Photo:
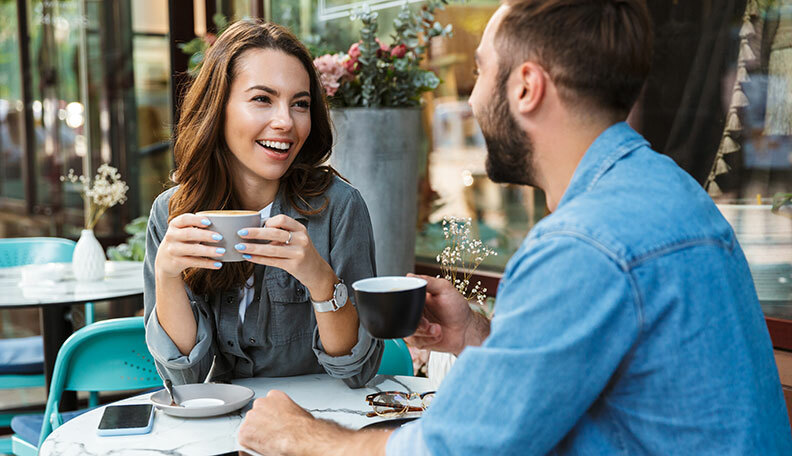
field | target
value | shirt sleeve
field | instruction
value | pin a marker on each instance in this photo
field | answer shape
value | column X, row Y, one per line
column 566, row 316
column 352, row 259
column 169, row 360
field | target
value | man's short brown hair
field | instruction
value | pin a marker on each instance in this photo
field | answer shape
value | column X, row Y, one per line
column 596, row 51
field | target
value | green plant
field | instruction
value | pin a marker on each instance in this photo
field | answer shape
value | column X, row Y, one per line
column 374, row 74
column 196, row 47
column 134, row 249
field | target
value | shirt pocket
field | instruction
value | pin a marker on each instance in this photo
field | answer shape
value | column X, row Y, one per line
column 291, row 313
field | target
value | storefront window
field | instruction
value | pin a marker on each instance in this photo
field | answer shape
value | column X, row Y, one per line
column 151, row 60
column 11, row 121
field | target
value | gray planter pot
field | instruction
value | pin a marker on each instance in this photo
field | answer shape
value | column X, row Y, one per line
column 377, row 150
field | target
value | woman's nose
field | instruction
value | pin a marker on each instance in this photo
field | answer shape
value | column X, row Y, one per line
column 282, row 118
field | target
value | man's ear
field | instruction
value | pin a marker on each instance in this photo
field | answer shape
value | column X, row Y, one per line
column 530, row 89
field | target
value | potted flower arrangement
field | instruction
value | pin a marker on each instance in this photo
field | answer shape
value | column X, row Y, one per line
column 375, row 91
column 100, row 194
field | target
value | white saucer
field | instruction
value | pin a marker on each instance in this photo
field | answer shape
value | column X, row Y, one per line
column 203, row 399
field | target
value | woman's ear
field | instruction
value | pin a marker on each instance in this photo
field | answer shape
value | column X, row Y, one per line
column 531, row 83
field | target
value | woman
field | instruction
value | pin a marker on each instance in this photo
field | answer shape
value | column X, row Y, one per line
column 253, row 134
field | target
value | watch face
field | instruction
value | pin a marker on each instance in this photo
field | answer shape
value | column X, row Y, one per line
column 340, row 294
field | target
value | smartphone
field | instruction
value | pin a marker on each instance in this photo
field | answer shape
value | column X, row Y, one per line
column 126, row 419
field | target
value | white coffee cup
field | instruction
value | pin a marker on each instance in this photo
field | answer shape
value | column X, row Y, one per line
column 228, row 223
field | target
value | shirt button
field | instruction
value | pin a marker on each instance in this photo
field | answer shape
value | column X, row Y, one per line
column 230, row 343
column 300, row 292
column 230, row 299
column 252, row 340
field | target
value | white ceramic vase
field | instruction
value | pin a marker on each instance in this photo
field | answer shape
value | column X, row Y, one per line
column 88, row 261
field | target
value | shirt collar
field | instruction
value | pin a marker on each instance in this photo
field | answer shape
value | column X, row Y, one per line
column 611, row 145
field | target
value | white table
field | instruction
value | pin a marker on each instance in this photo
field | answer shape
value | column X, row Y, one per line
column 322, row 395
column 122, row 279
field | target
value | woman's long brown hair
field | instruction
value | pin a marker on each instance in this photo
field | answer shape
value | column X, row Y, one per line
column 203, row 160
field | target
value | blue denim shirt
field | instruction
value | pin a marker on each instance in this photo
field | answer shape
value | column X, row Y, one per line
column 626, row 323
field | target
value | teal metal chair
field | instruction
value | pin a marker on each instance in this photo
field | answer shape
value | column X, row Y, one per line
column 22, row 359
column 109, row 355
column 396, row 359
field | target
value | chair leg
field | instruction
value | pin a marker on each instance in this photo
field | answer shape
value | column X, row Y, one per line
column 89, row 313
column 5, row 445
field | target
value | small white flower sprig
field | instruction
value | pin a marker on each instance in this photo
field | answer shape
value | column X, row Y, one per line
column 105, row 191
column 460, row 258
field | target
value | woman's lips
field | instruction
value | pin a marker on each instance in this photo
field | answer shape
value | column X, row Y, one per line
column 275, row 154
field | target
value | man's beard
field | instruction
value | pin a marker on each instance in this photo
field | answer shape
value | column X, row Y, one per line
column 509, row 149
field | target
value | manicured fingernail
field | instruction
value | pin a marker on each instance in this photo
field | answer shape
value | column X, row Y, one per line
column 240, row 246
column 246, row 256
column 220, row 250
column 217, row 237
column 218, row 264
column 242, row 232
column 206, row 222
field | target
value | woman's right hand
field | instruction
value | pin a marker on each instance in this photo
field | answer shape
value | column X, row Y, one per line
column 182, row 247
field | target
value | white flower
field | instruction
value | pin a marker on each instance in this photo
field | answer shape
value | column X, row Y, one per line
column 105, row 191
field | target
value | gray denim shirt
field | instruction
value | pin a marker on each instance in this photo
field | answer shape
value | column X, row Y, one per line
column 279, row 336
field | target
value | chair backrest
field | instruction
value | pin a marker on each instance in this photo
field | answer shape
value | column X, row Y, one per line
column 110, row 355
column 396, row 359
column 35, row 250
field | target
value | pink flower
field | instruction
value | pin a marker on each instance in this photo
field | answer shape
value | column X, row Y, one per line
column 354, row 51
column 383, row 48
column 331, row 71
column 399, row 51
column 210, row 38
column 351, row 63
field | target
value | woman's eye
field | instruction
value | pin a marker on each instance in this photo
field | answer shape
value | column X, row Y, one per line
column 261, row 99
column 475, row 73
column 305, row 104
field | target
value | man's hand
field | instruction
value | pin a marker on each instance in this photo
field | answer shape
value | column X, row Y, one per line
column 275, row 425
column 278, row 426
column 448, row 323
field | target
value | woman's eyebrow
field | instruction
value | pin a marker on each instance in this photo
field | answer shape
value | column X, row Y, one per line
column 274, row 92
column 264, row 88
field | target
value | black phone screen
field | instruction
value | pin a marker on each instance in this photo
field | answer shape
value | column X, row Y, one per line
column 126, row 416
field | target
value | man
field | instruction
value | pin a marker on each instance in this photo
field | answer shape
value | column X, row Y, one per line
column 627, row 322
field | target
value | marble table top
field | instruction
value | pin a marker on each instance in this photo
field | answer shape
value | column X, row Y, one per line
column 122, row 278
column 323, row 396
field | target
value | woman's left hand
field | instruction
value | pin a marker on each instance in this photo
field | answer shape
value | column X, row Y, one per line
column 290, row 249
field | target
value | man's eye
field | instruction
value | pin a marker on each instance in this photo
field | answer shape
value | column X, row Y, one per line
column 261, row 99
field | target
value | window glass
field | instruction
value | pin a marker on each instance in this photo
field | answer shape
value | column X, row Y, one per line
column 11, row 112
column 151, row 61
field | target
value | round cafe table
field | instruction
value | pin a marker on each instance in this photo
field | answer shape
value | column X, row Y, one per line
column 323, row 396
column 123, row 279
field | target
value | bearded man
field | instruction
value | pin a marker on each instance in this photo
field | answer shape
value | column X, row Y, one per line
column 627, row 322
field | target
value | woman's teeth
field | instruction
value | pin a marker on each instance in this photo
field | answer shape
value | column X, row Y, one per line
column 280, row 146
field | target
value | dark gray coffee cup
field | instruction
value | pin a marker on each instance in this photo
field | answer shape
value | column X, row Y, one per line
column 390, row 307
column 228, row 223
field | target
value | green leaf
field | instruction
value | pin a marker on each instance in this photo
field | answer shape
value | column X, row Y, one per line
column 220, row 22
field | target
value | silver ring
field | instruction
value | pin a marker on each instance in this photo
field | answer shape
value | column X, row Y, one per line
column 288, row 240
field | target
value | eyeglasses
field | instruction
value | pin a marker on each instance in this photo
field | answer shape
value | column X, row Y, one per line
column 395, row 403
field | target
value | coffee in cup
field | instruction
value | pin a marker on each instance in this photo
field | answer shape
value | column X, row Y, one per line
column 228, row 223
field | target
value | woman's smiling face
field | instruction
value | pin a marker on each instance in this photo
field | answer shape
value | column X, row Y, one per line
column 268, row 115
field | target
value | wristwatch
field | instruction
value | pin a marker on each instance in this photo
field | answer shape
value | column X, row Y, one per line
column 338, row 300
